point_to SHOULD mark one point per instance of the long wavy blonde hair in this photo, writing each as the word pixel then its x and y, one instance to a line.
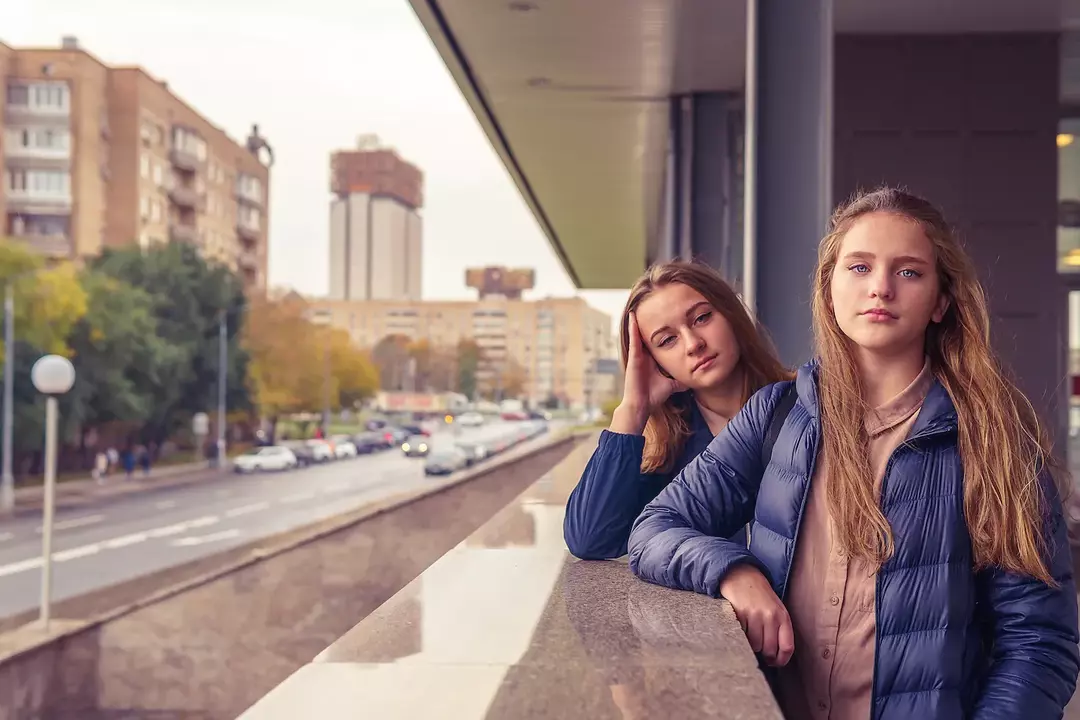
pixel 668 426
pixel 1002 443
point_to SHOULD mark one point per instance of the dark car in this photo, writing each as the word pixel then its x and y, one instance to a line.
pixel 369 442
pixel 305 456
pixel 445 461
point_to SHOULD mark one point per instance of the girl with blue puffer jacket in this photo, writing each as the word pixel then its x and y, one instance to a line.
pixel 908 556
pixel 692 356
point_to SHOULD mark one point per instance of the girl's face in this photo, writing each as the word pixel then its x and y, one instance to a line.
pixel 885 289
pixel 687 336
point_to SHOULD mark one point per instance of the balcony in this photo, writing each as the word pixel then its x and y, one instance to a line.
pixel 32 202
pixel 186 197
pixel 183 233
pixel 247 232
pixel 37 157
pixel 54 246
pixel 248 195
pixel 184 160
pixel 247 260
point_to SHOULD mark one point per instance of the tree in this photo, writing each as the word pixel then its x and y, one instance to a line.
pixel 391 356
pixel 48 301
pixel 286 360
pixel 289 361
pixel 468 362
pixel 188 298
pixel 512 379
pixel 354 373
pixel 118 356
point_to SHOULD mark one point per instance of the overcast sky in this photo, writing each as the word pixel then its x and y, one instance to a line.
pixel 314 75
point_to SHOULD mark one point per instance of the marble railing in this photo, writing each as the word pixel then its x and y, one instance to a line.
pixel 508 625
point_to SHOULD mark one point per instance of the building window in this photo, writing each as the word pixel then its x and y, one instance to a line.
pixel 155 211
pixel 159 175
pixel 144 166
pixel 18 95
pixel 144 207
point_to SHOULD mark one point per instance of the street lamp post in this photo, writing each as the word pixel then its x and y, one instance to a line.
pixel 223 358
pixel 323 319
pixel 7 480
pixel 52 375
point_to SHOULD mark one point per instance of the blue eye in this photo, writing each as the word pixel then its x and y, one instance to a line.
pixel 702 318
pixel 666 341
pixel 909 273
pixel 859 268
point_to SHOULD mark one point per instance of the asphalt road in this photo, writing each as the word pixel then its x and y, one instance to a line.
pixel 129 536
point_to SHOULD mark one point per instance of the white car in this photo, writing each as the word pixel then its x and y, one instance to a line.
pixel 345 448
pixel 321 450
pixel 471 419
pixel 273 457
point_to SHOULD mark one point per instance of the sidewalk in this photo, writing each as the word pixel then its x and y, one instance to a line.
pixel 76 493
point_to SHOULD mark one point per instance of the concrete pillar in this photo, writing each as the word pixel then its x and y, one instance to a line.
pixel 789 153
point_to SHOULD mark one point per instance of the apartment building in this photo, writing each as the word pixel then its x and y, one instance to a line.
pixel 97 156
pixel 376 231
pixel 562 345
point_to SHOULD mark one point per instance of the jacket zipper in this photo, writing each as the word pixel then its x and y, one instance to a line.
pixel 929 432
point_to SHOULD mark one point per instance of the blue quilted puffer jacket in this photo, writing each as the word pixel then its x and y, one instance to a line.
pixel 951 643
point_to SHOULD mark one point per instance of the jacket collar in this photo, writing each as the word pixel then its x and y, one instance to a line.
pixel 937 414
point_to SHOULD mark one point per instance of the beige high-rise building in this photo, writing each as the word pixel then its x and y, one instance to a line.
pixel 558 343
pixel 97 156
pixel 376 231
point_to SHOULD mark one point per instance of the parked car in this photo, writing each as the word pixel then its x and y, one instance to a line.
pixel 321 450
pixel 344 447
pixel 271 457
pixel 415 446
pixel 471 419
pixel 369 442
pixel 304 455
pixel 445 461
pixel 474 452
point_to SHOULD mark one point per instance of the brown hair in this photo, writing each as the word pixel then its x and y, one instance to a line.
pixel 668 428
pixel 1002 444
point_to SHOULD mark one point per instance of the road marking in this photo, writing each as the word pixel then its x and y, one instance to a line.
pixel 168 530
pixel 165 504
pixel 20 566
pixel 213 537
pixel 299 497
pixel 76 522
pixel 78 552
pixel 203 521
pixel 125 540
pixel 247 509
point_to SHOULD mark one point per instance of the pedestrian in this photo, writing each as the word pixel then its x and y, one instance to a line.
pixel 127 458
pixel 101 467
pixel 909 556
pixel 692 356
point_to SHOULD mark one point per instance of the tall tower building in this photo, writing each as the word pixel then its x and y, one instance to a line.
pixel 376 232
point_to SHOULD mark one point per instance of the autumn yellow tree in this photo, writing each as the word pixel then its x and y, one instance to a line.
pixel 49 300
pixel 290 357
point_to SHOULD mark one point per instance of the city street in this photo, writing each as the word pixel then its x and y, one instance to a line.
pixel 129 536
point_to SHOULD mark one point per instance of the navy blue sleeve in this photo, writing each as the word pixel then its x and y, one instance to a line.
pixel 1035 658
pixel 680 538
pixel 610 495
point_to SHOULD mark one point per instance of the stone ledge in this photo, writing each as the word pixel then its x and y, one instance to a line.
pixel 28 638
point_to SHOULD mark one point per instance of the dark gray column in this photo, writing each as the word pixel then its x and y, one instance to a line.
pixel 789 112
pixel 704 182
